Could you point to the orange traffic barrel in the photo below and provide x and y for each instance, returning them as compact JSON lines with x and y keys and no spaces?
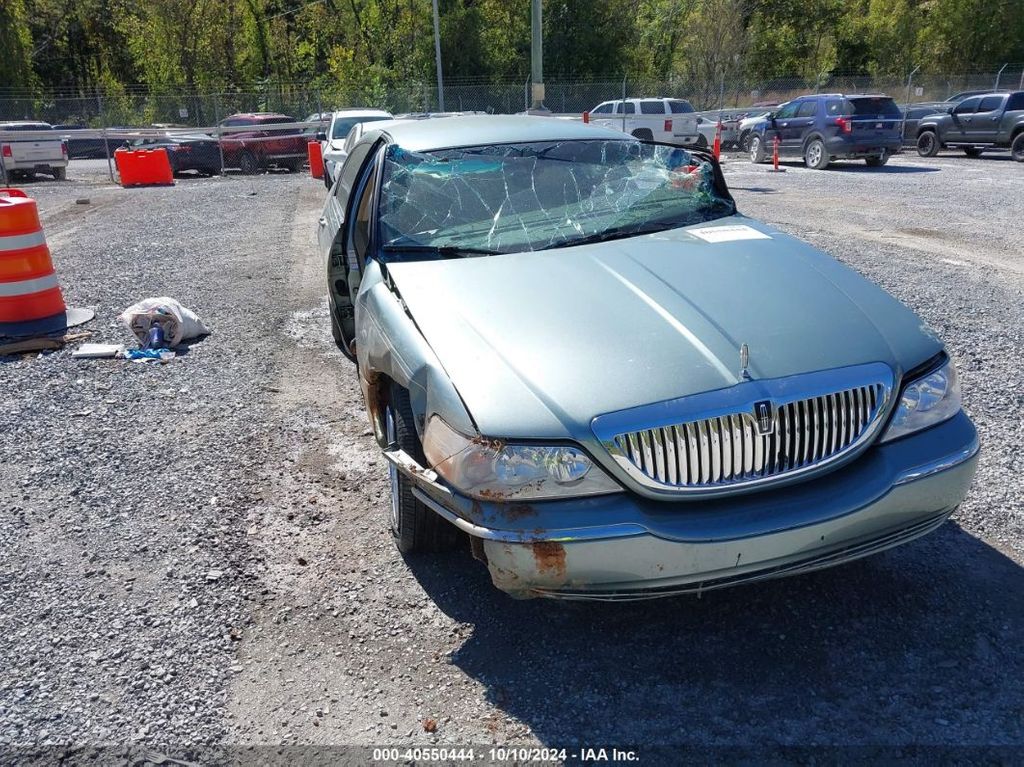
{"x":316,"y":159}
{"x":31,"y":302}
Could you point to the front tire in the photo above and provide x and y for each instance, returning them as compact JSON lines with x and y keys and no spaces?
{"x":1017,"y":148}
{"x":928,"y":144}
{"x":414,"y":527}
{"x":815,"y":155}
{"x":744,"y":143}
{"x":757,"y":149}
{"x":59,"y":174}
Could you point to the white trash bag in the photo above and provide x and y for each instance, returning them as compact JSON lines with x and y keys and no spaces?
{"x":178,"y":323}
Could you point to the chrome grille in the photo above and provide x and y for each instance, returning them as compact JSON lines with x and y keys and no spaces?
{"x":730,"y":449}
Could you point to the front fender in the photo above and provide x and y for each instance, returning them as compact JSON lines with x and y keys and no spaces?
{"x":389,"y":346}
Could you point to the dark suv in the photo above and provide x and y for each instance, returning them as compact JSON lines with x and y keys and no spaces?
{"x":830,"y":126}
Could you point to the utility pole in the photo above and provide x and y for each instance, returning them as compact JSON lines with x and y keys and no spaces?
{"x":537,"y":55}
{"x":437,"y":56}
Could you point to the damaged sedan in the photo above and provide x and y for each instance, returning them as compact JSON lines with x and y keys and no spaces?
{"x":575,"y":351}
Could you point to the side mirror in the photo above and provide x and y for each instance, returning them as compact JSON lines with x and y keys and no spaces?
{"x":321,"y":135}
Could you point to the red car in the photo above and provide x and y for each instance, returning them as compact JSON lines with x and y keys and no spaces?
{"x":262,"y":145}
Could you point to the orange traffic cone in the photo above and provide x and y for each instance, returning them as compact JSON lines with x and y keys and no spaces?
{"x":31,"y":303}
{"x":775,"y":157}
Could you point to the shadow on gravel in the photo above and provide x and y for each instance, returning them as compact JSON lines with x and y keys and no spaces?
{"x":916,"y":645}
{"x":885,"y":169}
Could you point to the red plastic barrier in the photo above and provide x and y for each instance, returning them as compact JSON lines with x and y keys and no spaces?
{"x":144,"y":167}
{"x":316,"y":159}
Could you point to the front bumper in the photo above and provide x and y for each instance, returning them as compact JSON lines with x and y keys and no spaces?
{"x":623,"y":546}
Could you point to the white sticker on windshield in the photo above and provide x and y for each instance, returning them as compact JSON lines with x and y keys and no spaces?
{"x":728,"y":233}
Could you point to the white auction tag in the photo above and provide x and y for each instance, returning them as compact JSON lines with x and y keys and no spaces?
{"x":728,"y":233}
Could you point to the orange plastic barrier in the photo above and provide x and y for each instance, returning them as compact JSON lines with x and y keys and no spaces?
{"x":144,"y":167}
{"x":316,"y":159}
{"x":28,"y":285}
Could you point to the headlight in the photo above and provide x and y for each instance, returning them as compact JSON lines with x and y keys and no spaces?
{"x":496,"y":471}
{"x":925,"y":402}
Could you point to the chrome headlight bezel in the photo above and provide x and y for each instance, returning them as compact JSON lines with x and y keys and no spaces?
{"x":500,"y":471}
{"x":925,"y":401}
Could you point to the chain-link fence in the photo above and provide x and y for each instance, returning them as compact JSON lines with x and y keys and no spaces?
{"x":147,"y":106}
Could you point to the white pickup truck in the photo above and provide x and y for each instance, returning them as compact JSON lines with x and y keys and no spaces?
{"x":671,"y":121}
{"x":36,"y":152}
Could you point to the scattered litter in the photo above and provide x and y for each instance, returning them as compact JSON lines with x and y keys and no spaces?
{"x":98,"y":351}
{"x":31,"y":345}
{"x":430,"y":725}
{"x":149,"y":355}
{"x":177,"y":323}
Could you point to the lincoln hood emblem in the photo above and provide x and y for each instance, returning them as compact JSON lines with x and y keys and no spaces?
{"x":763,"y":416}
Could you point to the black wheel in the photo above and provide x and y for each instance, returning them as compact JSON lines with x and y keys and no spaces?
{"x":757,"y":149}
{"x":644,"y":134}
{"x":248,"y":163}
{"x":59,"y":174}
{"x":414,"y":527}
{"x":295,"y":166}
{"x":744,"y":142}
{"x":878,"y":160}
{"x":928,"y":144}
{"x":973,"y":151}
{"x":815,"y":155}
{"x":702,"y":142}
{"x":1017,"y":148}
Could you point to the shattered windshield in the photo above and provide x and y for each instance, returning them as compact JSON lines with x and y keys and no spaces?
{"x":510,"y":198}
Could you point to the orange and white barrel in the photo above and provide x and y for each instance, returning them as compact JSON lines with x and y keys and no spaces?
{"x":29,"y":290}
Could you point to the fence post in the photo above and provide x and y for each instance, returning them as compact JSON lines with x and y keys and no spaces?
{"x":998,"y":75}
{"x":623,"y":104}
{"x":216,"y":122}
{"x":910,"y":79}
{"x":1020,"y":85}
{"x":106,"y":141}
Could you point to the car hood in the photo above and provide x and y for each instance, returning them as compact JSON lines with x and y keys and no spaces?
{"x":538,"y":344}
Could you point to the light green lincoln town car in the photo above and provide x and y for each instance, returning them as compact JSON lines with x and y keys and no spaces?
{"x":576,"y":352}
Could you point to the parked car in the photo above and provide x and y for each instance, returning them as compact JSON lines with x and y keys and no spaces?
{"x":975,"y":124}
{"x":262,"y":145}
{"x":747,"y":123}
{"x":821,"y":128}
{"x":334,"y":146}
{"x":670,"y":120}
{"x":198,"y":153}
{"x":80,"y":148}
{"x":42,"y":152}
{"x":575,"y":350}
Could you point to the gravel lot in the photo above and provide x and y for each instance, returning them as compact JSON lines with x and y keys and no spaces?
{"x":195,"y":554}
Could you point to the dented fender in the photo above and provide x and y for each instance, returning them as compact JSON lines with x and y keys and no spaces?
{"x":389,"y":344}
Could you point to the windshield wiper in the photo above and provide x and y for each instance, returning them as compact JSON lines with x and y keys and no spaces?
{"x":447,"y":251}
{"x":615,"y":233}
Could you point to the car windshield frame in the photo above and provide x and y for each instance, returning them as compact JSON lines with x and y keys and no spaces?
{"x":633,"y":188}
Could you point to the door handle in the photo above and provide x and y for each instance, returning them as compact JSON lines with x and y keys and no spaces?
{"x":322,"y":221}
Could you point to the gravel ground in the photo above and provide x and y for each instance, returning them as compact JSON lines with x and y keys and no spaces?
{"x":195,"y":554}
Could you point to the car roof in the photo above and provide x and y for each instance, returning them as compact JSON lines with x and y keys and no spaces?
{"x":478,"y":130}
{"x":12,"y":123}
{"x":361,"y":113}
{"x":257,"y":115}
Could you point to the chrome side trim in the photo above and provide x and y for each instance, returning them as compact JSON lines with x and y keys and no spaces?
{"x":626,"y":530}
{"x":950,"y":461}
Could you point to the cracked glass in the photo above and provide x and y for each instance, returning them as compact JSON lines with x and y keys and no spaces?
{"x":509,"y":198}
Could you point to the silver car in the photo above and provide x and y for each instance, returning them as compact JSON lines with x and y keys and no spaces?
{"x":576,"y":352}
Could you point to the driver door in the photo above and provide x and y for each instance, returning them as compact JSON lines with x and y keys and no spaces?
{"x":962,"y":121}
{"x":333,"y":238}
